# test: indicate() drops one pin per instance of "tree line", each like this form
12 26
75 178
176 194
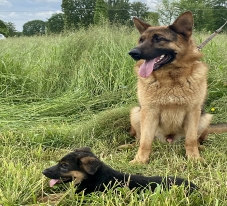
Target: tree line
208 15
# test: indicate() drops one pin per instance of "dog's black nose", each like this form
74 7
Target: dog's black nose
46 172
135 54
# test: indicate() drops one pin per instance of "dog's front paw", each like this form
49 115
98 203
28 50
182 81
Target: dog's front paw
194 156
139 160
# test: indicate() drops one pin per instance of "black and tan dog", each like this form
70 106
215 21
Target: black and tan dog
90 174
172 87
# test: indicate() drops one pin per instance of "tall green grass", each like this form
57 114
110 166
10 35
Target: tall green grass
76 89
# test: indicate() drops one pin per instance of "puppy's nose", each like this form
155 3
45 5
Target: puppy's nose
46 172
135 54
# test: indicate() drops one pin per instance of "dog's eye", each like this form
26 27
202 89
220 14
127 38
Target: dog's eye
157 38
64 166
141 40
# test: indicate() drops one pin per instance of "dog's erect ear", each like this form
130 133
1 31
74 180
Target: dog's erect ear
140 25
90 164
83 149
183 24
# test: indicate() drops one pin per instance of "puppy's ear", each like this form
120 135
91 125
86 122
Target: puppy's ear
140 25
90 164
83 149
183 24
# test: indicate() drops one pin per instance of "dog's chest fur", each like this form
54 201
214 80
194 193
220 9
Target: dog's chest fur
173 92
174 87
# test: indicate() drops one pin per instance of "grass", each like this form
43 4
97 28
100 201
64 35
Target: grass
62 92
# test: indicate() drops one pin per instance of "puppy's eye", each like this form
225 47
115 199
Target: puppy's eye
64 166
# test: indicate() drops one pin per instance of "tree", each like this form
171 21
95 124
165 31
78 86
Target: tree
202 12
68 9
152 18
3 29
78 13
139 9
167 12
55 23
208 14
219 8
119 11
100 11
11 28
35 27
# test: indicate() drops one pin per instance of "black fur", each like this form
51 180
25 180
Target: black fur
98 175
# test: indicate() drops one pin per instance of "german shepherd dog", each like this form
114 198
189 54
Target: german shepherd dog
90 174
172 87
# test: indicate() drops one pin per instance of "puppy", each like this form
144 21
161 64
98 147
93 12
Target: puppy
89 174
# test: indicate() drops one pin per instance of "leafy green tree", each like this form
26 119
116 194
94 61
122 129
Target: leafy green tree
35 27
167 12
78 13
68 9
3 29
219 13
202 12
119 11
208 14
139 9
11 28
100 11
55 23
152 18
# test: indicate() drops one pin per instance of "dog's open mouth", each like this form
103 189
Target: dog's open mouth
153 64
59 181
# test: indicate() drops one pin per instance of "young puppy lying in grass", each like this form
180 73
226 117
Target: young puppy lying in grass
90 174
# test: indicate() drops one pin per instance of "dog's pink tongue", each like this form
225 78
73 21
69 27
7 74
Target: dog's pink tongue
146 68
53 182
169 140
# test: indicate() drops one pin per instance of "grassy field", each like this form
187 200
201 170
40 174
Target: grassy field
62 92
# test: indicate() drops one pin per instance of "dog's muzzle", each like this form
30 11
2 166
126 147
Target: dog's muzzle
135 54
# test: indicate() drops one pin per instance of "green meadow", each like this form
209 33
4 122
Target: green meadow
76 89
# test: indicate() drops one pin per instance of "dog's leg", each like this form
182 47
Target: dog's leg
148 125
135 128
191 131
135 123
203 125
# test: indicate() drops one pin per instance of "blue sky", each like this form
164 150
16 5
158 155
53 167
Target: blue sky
21 11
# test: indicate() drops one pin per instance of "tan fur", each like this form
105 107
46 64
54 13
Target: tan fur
172 97
79 176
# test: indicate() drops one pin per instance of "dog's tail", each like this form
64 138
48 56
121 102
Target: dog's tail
217 128
213 129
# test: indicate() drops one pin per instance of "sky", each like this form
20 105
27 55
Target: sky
20 12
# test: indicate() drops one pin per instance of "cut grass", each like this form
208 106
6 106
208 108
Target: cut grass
63 92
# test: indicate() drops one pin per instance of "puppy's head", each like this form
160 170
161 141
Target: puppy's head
75 166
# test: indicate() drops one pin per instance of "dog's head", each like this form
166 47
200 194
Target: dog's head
160 45
75 166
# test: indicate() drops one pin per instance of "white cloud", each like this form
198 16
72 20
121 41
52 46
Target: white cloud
13 14
45 14
152 4
5 3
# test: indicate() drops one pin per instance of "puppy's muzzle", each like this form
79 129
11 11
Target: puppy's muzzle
46 172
